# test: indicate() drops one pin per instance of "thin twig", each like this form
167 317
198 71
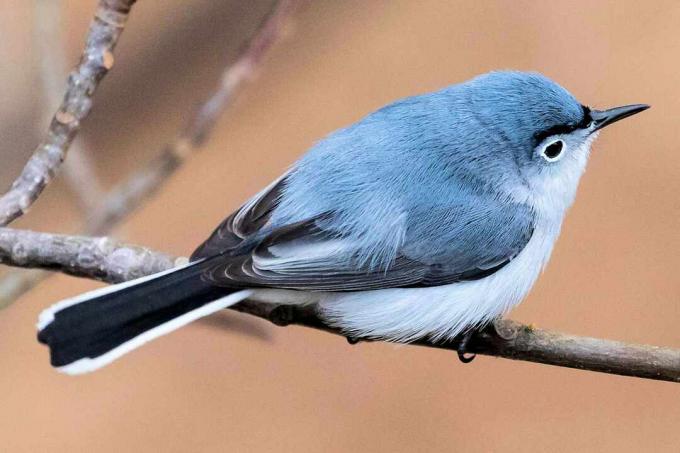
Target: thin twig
145 182
95 62
79 172
142 184
17 283
107 260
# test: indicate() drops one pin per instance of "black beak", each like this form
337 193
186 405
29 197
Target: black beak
602 118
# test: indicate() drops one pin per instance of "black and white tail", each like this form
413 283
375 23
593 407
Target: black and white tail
94 329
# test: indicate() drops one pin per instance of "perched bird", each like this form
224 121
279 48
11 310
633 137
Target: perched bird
427 218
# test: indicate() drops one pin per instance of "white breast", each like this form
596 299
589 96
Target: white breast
404 314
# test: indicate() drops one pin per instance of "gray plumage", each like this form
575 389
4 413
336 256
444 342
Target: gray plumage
411 182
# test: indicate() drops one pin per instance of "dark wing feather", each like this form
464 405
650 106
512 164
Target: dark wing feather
243 223
306 257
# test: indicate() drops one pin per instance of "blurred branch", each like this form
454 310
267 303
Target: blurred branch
144 183
17 282
78 169
110 261
95 62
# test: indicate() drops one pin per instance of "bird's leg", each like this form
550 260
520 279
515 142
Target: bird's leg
352 340
462 347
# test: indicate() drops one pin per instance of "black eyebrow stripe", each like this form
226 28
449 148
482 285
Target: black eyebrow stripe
565 128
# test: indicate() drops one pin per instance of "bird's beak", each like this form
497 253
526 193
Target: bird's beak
602 118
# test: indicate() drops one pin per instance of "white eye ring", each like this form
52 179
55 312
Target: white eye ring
553 150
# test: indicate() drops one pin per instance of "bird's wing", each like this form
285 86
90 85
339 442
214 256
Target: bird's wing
243 223
306 256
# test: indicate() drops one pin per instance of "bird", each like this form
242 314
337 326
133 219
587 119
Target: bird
428 218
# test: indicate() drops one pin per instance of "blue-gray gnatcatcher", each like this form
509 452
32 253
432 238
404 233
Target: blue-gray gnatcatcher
429 217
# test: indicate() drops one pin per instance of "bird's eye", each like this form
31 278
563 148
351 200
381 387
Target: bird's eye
553 151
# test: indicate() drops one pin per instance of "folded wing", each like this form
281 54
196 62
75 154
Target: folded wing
462 243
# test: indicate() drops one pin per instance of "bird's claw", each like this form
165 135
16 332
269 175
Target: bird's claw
462 348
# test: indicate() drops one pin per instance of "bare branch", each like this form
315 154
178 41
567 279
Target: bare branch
512 340
110 261
145 182
79 172
17 282
95 62
142 184
96 258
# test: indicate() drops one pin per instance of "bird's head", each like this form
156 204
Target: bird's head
547 133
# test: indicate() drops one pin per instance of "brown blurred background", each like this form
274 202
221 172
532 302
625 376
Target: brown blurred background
209 387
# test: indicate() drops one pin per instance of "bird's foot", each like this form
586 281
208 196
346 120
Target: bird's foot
462 347
352 340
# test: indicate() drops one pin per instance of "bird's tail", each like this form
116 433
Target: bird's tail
92 330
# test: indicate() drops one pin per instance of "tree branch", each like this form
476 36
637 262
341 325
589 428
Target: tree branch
18 282
79 172
95 62
110 261
96 258
145 182
142 184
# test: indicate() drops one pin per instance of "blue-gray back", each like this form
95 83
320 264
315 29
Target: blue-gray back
426 180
